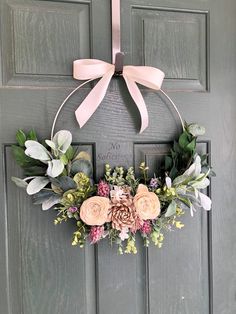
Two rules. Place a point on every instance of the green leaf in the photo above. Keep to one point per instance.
(21, 138)
(185, 200)
(168, 162)
(70, 153)
(35, 170)
(191, 146)
(21, 159)
(212, 173)
(171, 210)
(173, 173)
(176, 147)
(32, 135)
(183, 140)
(64, 159)
(204, 158)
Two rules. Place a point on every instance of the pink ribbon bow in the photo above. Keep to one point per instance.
(91, 69)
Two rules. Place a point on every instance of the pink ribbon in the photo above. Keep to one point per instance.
(91, 69)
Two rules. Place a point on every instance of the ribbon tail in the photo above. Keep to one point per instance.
(93, 99)
(139, 101)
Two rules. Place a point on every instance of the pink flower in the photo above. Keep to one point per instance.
(124, 234)
(72, 209)
(103, 189)
(146, 227)
(95, 234)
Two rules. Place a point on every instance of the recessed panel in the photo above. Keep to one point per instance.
(173, 41)
(152, 154)
(45, 38)
(183, 252)
(37, 255)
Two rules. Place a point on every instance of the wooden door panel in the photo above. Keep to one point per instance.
(194, 271)
(44, 274)
(174, 39)
(178, 47)
(42, 38)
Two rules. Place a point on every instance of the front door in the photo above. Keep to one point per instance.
(193, 42)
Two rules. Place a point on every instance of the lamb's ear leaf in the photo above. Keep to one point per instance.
(82, 165)
(36, 185)
(55, 168)
(196, 130)
(37, 151)
(62, 140)
(19, 182)
(83, 155)
(50, 144)
(49, 203)
(205, 201)
(171, 210)
(42, 196)
(65, 183)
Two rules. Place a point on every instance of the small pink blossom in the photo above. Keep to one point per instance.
(103, 189)
(96, 233)
(146, 227)
(124, 234)
(137, 226)
(72, 209)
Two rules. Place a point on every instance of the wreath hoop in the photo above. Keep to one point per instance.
(120, 205)
(90, 80)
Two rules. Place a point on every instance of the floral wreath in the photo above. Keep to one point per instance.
(120, 205)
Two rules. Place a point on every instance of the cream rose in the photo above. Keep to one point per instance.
(94, 211)
(146, 203)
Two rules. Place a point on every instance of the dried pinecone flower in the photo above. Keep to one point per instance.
(124, 215)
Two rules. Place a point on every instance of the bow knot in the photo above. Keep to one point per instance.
(91, 69)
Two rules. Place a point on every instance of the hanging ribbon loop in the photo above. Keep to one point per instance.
(86, 69)
(91, 69)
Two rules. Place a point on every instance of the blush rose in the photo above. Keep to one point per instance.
(146, 203)
(94, 211)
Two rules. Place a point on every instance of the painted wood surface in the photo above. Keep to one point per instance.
(194, 42)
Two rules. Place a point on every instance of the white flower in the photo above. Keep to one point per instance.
(168, 182)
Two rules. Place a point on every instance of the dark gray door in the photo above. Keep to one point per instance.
(194, 43)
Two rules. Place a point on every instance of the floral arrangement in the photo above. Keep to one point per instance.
(120, 205)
